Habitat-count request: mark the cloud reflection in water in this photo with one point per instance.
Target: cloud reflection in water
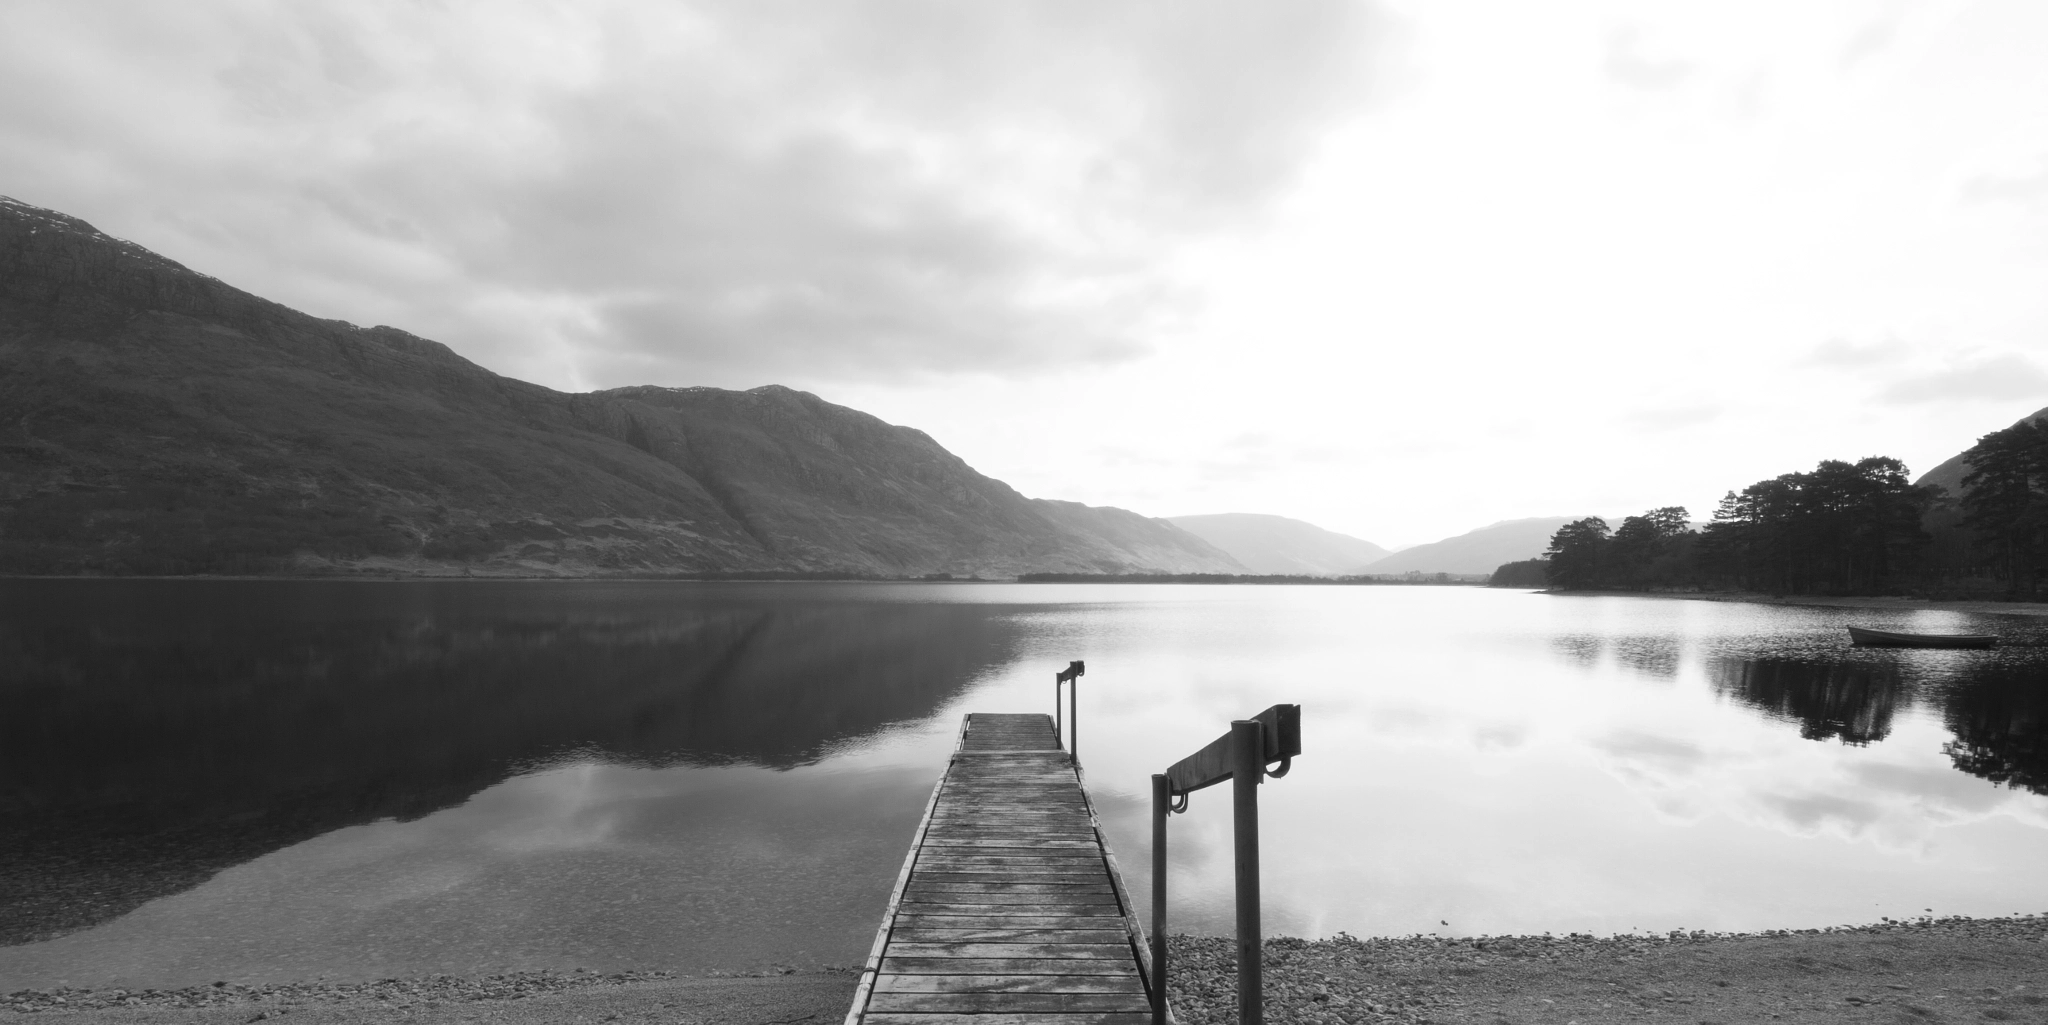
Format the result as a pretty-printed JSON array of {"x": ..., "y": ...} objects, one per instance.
[{"x": 661, "y": 775}]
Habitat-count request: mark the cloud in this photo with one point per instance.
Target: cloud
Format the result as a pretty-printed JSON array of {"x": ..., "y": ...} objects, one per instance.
[
  {"x": 661, "y": 192},
  {"x": 1671, "y": 418},
  {"x": 1869, "y": 40},
  {"x": 1937, "y": 791},
  {"x": 2007, "y": 186},
  {"x": 1840, "y": 352},
  {"x": 2012, "y": 169},
  {"x": 2008, "y": 376},
  {"x": 1642, "y": 757},
  {"x": 1500, "y": 737},
  {"x": 1813, "y": 813},
  {"x": 1627, "y": 64}
]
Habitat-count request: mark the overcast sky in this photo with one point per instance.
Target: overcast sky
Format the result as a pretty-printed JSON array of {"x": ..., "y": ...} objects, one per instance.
[{"x": 1399, "y": 269}]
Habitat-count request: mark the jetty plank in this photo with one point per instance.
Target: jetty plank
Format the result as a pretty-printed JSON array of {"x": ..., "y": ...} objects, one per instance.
[
  {"x": 1010, "y": 984},
  {"x": 1113, "y": 1018},
  {"x": 1006, "y": 966},
  {"x": 998, "y": 921},
  {"x": 1011, "y": 935},
  {"x": 1007, "y": 1002},
  {"x": 998, "y": 884},
  {"x": 1009, "y": 908}
]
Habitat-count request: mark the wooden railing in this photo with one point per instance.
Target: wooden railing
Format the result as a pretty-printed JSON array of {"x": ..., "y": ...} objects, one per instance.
[
  {"x": 1070, "y": 675},
  {"x": 1241, "y": 756}
]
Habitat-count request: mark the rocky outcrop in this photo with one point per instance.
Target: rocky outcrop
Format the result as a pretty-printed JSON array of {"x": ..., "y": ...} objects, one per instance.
[{"x": 160, "y": 421}]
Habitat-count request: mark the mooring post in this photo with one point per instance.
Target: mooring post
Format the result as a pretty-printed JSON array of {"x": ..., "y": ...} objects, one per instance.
[
  {"x": 1074, "y": 718},
  {"x": 1248, "y": 768},
  {"x": 1071, "y": 677},
  {"x": 1239, "y": 756},
  {"x": 1162, "y": 806}
]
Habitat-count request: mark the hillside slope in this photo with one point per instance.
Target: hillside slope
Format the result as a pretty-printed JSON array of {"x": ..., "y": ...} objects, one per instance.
[
  {"x": 1276, "y": 544},
  {"x": 161, "y": 421},
  {"x": 1949, "y": 475},
  {"x": 1477, "y": 551}
]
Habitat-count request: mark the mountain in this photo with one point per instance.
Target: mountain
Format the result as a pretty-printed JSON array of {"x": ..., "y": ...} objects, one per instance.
[
  {"x": 1478, "y": 551},
  {"x": 1276, "y": 544},
  {"x": 1949, "y": 475},
  {"x": 160, "y": 421}
]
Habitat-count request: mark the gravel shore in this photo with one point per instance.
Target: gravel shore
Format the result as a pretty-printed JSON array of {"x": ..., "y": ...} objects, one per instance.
[
  {"x": 1923, "y": 971},
  {"x": 768, "y": 997},
  {"x": 1928, "y": 970}
]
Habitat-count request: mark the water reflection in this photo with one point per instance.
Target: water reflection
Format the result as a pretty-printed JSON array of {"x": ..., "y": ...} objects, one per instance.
[
  {"x": 2000, "y": 723},
  {"x": 1851, "y": 703},
  {"x": 1582, "y": 650},
  {"x": 697, "y": 776},
  {"x": 1654, "y": 656},
  {"x": 1996, "y": 709},
  {"x": 147, "y": 743}
]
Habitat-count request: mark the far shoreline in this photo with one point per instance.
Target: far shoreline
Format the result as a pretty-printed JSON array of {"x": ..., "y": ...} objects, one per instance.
[
  {"x": 1991, "y": 608},
  {"x": 1204, "y": 579}
]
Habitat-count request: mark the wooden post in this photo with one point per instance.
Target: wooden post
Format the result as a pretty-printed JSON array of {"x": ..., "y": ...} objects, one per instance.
[
  {"x": 1074, "y": 719},
  {"x": 1248, "y": 768},
  {"x": 1162, "y": 806},
  {"x": 1059, "y": 733},
  {"x": 1239, "y": 756}
]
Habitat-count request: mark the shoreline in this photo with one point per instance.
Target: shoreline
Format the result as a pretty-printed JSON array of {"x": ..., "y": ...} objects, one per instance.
[
  {"x": 1990, "y": 608},
  {"x": 1923, "y": 970},
  {"x": 778, "y": 994},
  {"x": 1205, "y": 579},
  {"x": 1927, "y": 969}
]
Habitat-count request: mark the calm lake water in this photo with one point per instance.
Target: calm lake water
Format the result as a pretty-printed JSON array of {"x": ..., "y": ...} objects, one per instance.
[{"x": 260, "y": 781}]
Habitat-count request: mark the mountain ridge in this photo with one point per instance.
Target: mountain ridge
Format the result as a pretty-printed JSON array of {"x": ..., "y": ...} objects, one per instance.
[
  {"x": 1477, "y": 551},
  {"x": 1266, "y": 543},
  {"x": 1948, "y": 474},
  {"x": 175, "y": 424}
]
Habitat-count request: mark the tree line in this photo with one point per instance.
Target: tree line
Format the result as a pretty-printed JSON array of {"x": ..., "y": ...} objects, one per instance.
[
  {"x": 1841, "y": 528},
  {"x": 2005, "y": 503}
]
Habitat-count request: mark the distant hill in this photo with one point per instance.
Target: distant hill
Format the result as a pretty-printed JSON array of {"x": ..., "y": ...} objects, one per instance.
[
  {"x": 1955, "y": 551},
  {"x": 1276, "y": 544},
  {"x": 1949, "y": 475},
  {"x": 1479, "y": 551},
  {"x": 160, "y": 421}
]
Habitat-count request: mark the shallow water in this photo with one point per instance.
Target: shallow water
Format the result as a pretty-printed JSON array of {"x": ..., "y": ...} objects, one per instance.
[{"x": 255, "y": 781}]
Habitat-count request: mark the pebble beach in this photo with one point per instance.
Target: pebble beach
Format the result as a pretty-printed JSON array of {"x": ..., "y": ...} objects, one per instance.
[{"x": 1927, "y": 970}]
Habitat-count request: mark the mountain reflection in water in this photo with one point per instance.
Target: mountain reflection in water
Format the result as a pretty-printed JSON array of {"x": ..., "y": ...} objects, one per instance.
[
  {"x": 155, "y": 734},
  {"x": 377, "y": 779}
]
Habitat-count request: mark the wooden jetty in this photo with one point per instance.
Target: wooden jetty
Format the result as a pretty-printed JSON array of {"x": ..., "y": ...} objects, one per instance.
[{"x": 1009, "y": 908}]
